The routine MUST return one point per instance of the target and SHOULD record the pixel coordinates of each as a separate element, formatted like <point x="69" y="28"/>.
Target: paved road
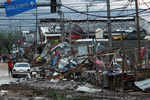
<point x="4" y="76"/>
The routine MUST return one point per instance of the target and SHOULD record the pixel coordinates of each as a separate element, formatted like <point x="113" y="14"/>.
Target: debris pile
<point x="77" y="61"/>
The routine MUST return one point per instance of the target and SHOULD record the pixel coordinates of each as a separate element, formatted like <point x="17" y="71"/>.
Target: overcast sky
<point x="79" y="5"/>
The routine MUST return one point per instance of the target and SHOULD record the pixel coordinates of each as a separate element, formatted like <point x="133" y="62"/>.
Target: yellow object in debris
<point x="61" y="77"/>
<point x="116" y="37"/>
<point x="38" y="59"/>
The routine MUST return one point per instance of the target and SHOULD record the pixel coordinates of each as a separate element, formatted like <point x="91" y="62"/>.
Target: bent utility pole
<point x="109" y="23"/>
<point x="138" y="33"/>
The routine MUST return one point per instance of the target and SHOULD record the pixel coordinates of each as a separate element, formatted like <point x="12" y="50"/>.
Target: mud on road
<point x="62" y="90"/>
<point x="4" y="76"/>
<point x="34" y="91"/>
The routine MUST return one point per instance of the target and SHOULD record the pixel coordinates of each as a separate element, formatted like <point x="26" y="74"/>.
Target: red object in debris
<point x="74" y="36"/>
<point x="143" y="50"/>
<point x="56" y="53"/>
<point x="126" y="78"/>
<point x="98" y="62"/>
<point x="19" y="41"/>
<point x="8" y="1"/>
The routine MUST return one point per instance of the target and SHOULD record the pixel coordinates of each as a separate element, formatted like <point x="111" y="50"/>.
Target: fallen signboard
<point x="19" y="6"/>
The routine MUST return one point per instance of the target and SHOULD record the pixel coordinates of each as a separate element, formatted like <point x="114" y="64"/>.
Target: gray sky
<point x="44" y="12"/>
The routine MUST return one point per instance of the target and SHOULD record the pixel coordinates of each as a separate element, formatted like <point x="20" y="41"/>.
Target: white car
<point x="21" y="69"/>
<point x="147" y="37"/>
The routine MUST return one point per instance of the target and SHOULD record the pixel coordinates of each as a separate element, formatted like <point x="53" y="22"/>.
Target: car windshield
<point x="22" y="65"/>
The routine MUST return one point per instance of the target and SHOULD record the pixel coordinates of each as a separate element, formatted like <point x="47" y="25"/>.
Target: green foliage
<point x="4" y="50"/>
<point x="6" y="41"/>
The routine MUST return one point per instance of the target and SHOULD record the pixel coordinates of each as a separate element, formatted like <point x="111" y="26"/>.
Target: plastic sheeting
<point x="87" y="89"/>
<point x="145" y="84"/>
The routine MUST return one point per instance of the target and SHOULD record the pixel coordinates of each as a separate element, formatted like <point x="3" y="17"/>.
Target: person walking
<point x="0" y="58"/>
<point x="10" y="67"/>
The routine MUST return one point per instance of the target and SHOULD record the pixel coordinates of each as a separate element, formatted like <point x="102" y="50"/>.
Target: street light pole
<point x="109" y="23"/>
<point x="62" y="25"/>
<point x="87" y="8"/>
<point x="36" y="32"/>
<point x="138" y="33"/>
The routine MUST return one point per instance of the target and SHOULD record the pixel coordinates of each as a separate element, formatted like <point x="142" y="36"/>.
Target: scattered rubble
<point x="81" y="68"/>
<point x="87" y="89"/>
<point x="144" y="85"/>
<point x="3" y="92"/>
<point x="90" y="64"/>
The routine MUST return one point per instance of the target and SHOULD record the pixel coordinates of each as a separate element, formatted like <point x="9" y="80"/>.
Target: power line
<point x="47" y="4"/>
<point x="146" y="4"/>
<point x="94" y="11"/>
<point x="125" y="6"/>
<point x="127" y="15"/>
<point x="85" y="13"/>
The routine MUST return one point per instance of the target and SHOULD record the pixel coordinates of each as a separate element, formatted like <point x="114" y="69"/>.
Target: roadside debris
<point x="87" y="89"/>
<point x="62" y="64"/>
<point x="3" y="93"/>
<point x="144" y="85"/>
<point x="71" y="61"/>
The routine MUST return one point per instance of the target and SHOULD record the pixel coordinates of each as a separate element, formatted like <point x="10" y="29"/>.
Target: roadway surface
<point x="4" y="76"/>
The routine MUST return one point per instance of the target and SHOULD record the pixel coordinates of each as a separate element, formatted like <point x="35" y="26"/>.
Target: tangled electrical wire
<point x="116" y="16"/>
